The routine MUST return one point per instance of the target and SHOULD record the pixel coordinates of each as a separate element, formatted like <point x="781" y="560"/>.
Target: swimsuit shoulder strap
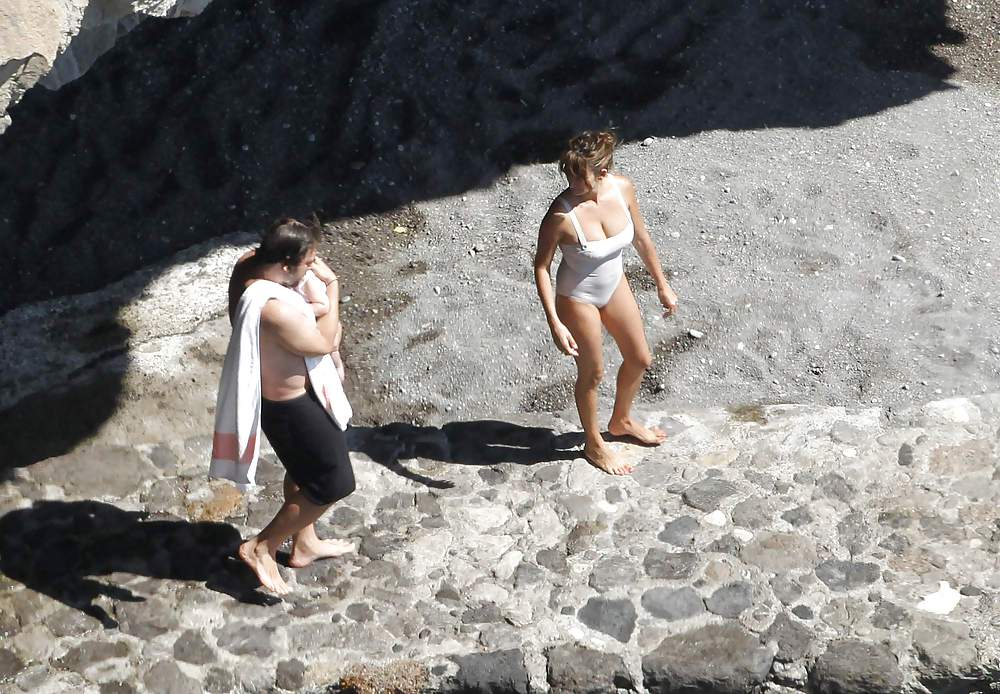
<point x="621" y="196"/>
<point x="576" y="222"/>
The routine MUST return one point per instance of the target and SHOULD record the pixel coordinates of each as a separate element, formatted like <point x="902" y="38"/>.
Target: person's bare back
<point x="283" y="374"/>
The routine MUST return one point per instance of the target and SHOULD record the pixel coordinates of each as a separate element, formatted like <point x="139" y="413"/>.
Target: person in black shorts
<point x="307" y="441"/>
<point x="310" y="446"/>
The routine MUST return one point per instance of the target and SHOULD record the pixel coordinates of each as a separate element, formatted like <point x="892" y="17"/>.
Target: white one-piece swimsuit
<point x="591" y="270"/>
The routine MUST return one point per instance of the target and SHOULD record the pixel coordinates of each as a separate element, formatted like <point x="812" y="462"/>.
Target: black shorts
<point x="310" y="446"/>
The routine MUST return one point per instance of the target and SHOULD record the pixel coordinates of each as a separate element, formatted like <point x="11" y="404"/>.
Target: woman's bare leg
<point x="584" y="322"/>
<point x="621" y="318"/>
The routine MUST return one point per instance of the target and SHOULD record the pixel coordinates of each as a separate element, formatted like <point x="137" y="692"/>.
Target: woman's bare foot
<point x="647" y="436"/>
<point x="255" y="555"/>
<point x="604" y="458"/>
<point x="304" y="554"/>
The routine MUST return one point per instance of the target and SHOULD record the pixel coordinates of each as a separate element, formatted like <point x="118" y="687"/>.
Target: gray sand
<point x="849" y="264"/>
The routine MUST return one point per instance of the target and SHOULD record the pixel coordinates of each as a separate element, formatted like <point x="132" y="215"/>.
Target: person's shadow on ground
<point x="62" y="549"/>
<point x="481" y="442"/>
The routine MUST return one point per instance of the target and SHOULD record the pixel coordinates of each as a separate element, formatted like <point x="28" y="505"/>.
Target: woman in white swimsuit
<point x="592" y="222"/>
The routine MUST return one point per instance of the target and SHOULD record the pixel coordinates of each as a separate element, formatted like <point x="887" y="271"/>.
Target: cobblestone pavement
<point x="778" y="547"/>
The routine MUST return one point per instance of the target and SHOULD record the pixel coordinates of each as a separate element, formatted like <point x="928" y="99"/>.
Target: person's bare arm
<point x="548" y="238"/>
<point x="295" y="332"/>
<point x="646" y="249"/>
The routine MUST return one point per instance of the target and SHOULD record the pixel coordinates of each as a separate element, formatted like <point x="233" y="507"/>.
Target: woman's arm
<point x="548" y="238"/>
<point x="647" y="250"/>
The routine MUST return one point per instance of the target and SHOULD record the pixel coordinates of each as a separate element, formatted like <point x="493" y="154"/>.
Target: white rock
<point x="742" y="534"/>
<point x="696" y="334"/>
<point x="487" y="593"/>
<point x="585" y="478"/>
<point x="951" y="411"/>
<point x="898" y="258"/>
<point x="487" y="517"/>
<point x="716" y="518"/>
<point x="507" y="564"/>
<point x="647" y="142"/>
<point x="606" y="506"/>
<point x="943" y="601"/>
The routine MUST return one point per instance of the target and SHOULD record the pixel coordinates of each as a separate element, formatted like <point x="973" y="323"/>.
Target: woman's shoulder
<point x="623" y="182"/>
<point x="558" y="208"/>
<point x="556" y="216"/>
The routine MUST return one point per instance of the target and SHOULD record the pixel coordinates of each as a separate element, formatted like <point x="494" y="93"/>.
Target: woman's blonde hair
<point x="588" y="151"/>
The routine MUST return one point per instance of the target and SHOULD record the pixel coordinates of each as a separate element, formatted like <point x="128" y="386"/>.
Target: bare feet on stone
<point x="604" y="458"/>
<point x="255" y="555"/>
<point x="629" y="428"/>
<point x="305" y="553"/>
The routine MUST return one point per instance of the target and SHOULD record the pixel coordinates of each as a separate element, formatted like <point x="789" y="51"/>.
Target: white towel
<point x="235" y="443"/>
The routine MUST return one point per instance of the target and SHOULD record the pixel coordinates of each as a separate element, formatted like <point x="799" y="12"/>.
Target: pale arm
<point x="548" y="239"/>
<point x="646" y="249"/>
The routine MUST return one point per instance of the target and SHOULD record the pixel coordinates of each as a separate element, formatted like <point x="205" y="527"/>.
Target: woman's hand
<point x="323" y="272"/>
<point x="668" y="299"/>
<point x="564" y="339"/>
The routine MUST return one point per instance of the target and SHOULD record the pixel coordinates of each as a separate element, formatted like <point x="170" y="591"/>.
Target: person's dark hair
<point x="288" y="241"/>
<point x="589" y="150"/>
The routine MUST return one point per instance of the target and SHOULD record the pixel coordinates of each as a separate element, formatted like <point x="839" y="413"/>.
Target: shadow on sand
<point x="480" y="442"/>
<point x="68" y="549"/>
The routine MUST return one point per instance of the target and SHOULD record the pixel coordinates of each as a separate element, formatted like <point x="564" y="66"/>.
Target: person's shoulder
<point x="624" y="183"/>
<point x="556" y="216"/>
<point x="278" y="312"/>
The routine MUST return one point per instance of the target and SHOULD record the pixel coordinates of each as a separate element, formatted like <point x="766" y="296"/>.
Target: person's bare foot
<point x="256" y="556"/>
<point x="629" y="428"/>
<point x="304" y="554"/>
<point x="604" y="458"/>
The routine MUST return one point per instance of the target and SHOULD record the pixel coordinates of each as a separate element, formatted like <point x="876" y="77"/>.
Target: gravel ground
<point x="976" y="55"/>
<point x="838" y="265"/>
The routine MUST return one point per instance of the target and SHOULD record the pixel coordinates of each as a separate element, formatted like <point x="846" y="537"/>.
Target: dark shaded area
<point x="481" y="442"/>
<point x="51" y="422"/>
<point x="193" y="128"/>
<point x="60" y="549"/>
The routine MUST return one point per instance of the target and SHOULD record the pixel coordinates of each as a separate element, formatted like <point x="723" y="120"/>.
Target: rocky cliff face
<point x="52" y="42"/>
